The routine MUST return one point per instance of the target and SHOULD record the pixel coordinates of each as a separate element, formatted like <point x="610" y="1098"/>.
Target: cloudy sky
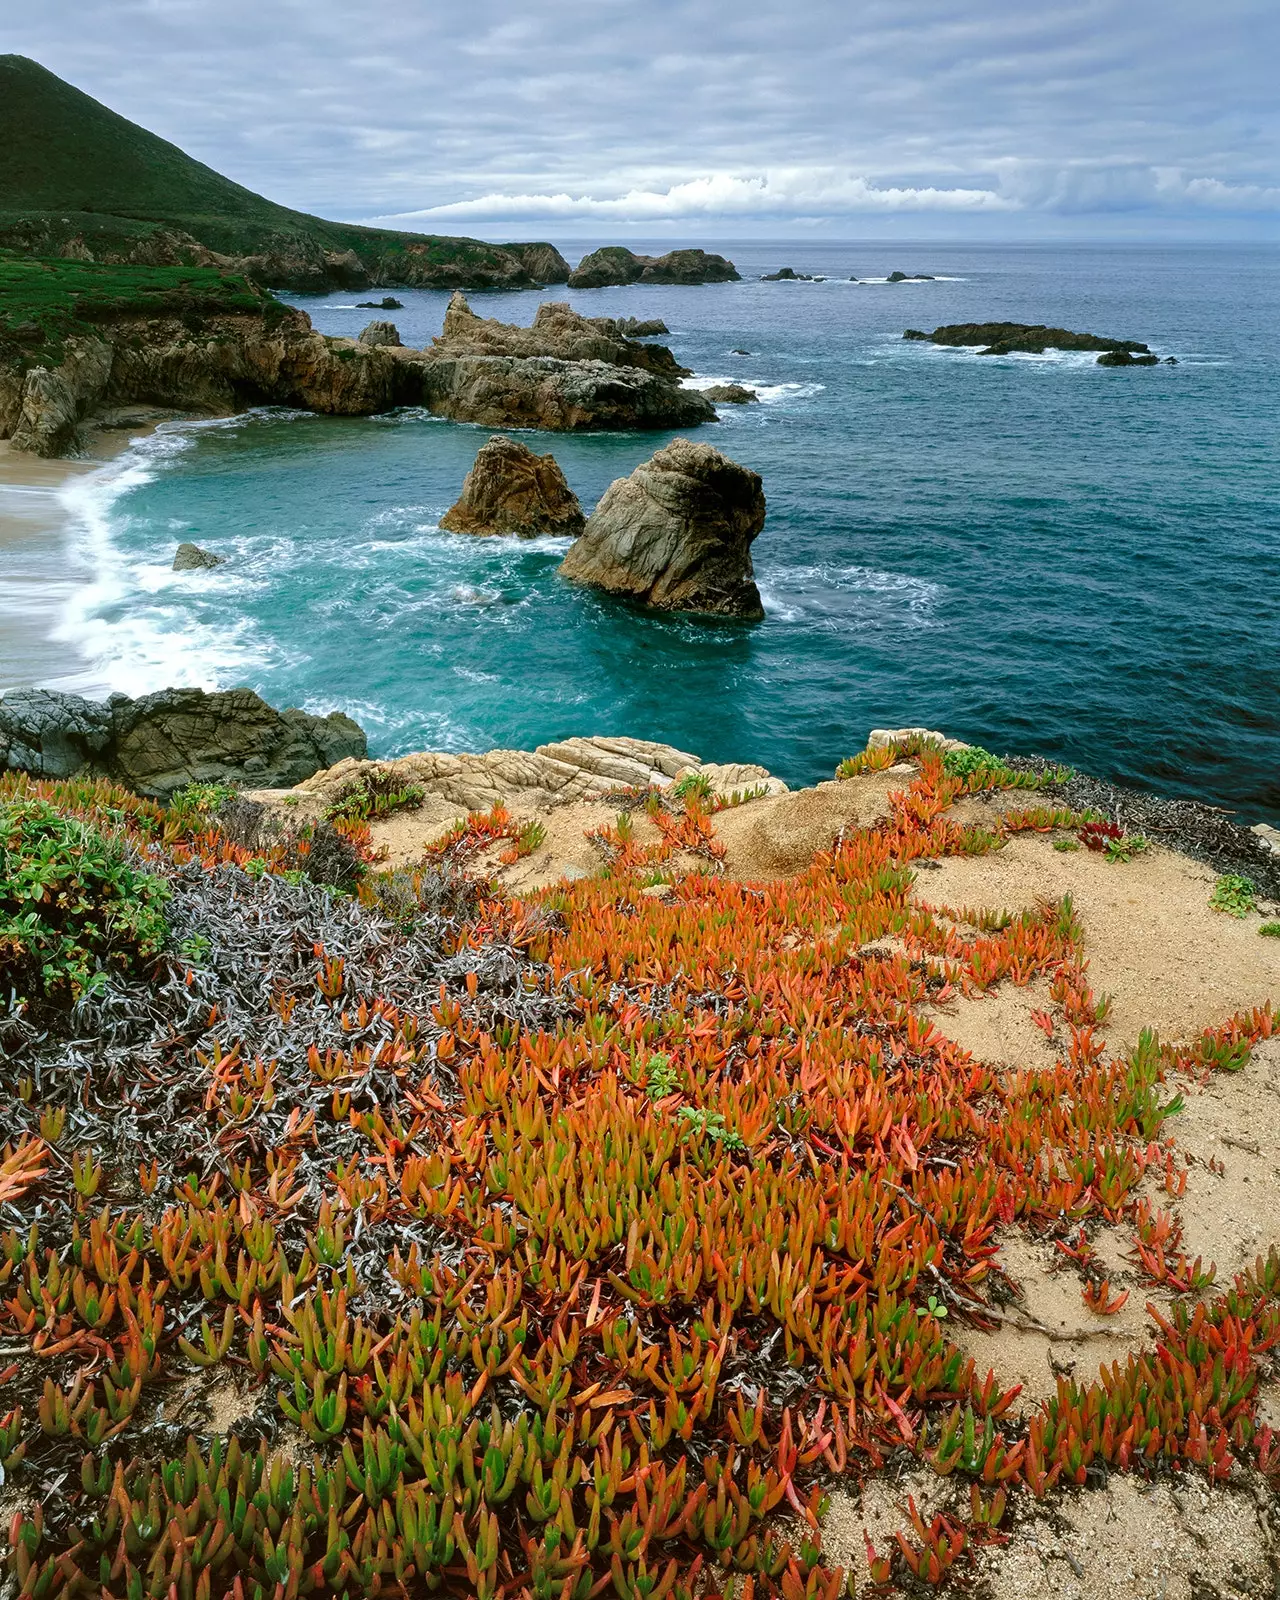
<point x="995" y="118"/>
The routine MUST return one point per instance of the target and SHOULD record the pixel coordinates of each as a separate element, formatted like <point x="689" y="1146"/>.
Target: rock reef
<point x="676" y="535"/>
<point x="163" y="741"/>
<point x="733" y="394"/>
<point x="614" y="265"/>
<point x="510" y="490"/>
<point x="1021" y="338"/>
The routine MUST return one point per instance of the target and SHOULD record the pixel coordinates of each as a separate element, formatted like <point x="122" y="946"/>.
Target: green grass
<point x="1270" y="930"/>
<point x="72" y="169"/>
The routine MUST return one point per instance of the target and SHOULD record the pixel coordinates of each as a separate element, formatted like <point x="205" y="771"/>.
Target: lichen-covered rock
<point x="163" y="741"/>
<point x="190" y="557"/>
<point x="380" y="333"/>
<point x="676" y="535"/>
<point x="511" y="490"/>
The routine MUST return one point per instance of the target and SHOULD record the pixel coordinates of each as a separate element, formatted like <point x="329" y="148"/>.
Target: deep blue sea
<point x="1031" y="552"/>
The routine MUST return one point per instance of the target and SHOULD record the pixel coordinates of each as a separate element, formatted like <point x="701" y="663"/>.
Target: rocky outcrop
<point x="785" y="275"/>
<point x="732" y="394"/>
<point x="565" y="373"/>
<point x="163" y="741"/>
<point x="380" y="333"/>
<point x="557" y="330"/>
<point x="553" y="774"/>
<point x="387" y="303"/>
<point x="636" y="327"/>
<point x="910" y="277"/>
<point x="613" y="265"/>
<point x="1126" y="358"/>
<point x="510" y="490"/>
<point x="1022" y="338"/>
<point x="190" y="558"/>
<point x="676" y="535"/>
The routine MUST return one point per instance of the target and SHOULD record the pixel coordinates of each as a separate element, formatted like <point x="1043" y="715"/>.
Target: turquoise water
<point x="1035" y="553"/>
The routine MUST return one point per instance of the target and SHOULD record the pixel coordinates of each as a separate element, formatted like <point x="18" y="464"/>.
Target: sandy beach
<point x="38" y="568"/>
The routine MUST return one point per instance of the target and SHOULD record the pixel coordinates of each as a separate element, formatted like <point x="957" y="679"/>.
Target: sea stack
<point x="510" y="490"/>
<point x="676" y="535"/>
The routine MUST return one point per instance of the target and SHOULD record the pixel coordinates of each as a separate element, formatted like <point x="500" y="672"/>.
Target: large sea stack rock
<point x="676" y="535"/>
<point x="511" y="490"/>
<point x="178" y="736"/>
<point x="613" y="265"/>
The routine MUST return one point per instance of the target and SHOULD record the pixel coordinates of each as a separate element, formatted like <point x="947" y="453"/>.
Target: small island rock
<point x="613" y="265"/>
<point x="785" y="275"/>
<point x="387" y="303"/>
<point x="733" y="394"/>
<point x="676" y="535"/>
<point x="511" y="490"/>
<point x="909" y="277"/>
<point x="191" y="556"/>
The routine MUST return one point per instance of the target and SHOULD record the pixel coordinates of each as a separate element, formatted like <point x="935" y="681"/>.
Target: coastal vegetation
<point x="81" y="181"/>
<point x="418" y="1237"/>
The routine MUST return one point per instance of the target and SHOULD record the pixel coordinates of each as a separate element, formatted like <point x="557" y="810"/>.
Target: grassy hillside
<point x="78" y="179"/>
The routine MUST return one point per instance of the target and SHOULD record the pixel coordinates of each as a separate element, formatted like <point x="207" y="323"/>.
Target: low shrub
<point x="73" y="907"/>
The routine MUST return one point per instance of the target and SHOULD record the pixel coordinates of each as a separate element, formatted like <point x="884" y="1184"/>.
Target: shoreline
<point x="36" y="563"/>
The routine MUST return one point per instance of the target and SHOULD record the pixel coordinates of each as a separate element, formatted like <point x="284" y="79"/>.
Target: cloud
<point x="789" y="192"/>
<point x="977" y="114"/>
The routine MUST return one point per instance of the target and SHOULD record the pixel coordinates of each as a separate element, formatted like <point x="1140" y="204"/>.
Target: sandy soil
<point x="1153" y="944"/>
<point x="998" y="1027"/>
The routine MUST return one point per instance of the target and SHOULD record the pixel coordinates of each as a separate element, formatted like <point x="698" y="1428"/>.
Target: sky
<point x="706" y="119"/>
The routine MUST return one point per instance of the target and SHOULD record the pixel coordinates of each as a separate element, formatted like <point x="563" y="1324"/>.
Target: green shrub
<point x="72" y="907"/>
<point x="1270" y="930"/>
<point x="1234" y="894"/>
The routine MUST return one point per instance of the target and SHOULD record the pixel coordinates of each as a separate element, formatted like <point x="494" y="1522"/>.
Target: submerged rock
<point x="613" y="265"/>
<point x="733" y="394"/>
<point x="676" y="535"/>
<point x="511" y="490"/>
<point x="380" y="333"/>
<point x="910" y="277"/>
<point x="190" y="556"/>
<point x="1125" y="358"/>
<point x="166" y="740"/>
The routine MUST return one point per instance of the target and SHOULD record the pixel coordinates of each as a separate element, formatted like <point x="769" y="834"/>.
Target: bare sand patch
<point x="1135" y="1541"/>
<point x="227" y="1404"/>
<point x="1230" y="1213"/>
<point x="878" y="1509"/>
<point x="998" y="1027"/>
<point x="1165" y="958"/>
<point x="779" y="837"/>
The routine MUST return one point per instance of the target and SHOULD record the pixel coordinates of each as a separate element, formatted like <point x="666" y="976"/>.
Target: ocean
<point x="1033" y="553"/>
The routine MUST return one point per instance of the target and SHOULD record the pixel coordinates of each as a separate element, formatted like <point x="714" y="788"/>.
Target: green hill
<point x="78" y="180"/>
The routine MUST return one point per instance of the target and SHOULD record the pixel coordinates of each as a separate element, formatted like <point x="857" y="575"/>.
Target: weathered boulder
<point x="558" y="331"/>
<point x="380" y="333"/>
<point x="178" y="736"/>
<point x="733" y="394"/>
<point x="676" y="535"/>
<point x="189" y="557"/>
<point x="563" y="396"/>
<point x="614" y="264"/>
<point x="637" y="327"/>
<point x="511" y="490"/>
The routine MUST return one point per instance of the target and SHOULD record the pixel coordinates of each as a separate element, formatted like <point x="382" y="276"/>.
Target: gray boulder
<point x="733" y="394"/>
<point x="190" y="556"/>
<point x="163" y="741"/>
<point x="676" y="535"/>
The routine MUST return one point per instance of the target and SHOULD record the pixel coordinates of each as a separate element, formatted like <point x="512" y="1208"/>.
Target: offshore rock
<point x="563" y="396"/>
<point x="380" y="333"/>
<point x="613" y="265"/>
<point x="910" y="277"/>
<point x="1125" y="358"/>
<point x="676" y="535"/>
<point x="190" y="557"/>
<point x="733" y="394"/>
<point x="1021" y="338"/>
<point x="387" y="303"/>
<point x="163" y="741"/>
<point x="785" y="275"/>
<point x="557" y="330"/>
<point x="511" y="490"/>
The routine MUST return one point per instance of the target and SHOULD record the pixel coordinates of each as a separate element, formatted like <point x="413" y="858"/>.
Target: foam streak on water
<point x="1029" y="551"/>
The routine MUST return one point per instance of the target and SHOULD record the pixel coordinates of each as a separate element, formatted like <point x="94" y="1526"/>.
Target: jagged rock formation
<point x="676" y="535"/>
<point x="380" y="333"/>
<point x="163" y="741"/>
<point x="511" y="490"/>
<point x="785" y="275"/>
<point x="559" y="773"/>
<point x="614" y="264"/>
<point x="566" y="372"/>
<point x="733" y="394"/>
<point x="189" y="557"/>
<point x="1021" y="338"/>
